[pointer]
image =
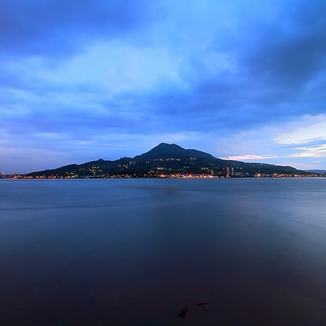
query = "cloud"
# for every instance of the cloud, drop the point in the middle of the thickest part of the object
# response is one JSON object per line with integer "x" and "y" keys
{"x": 294, "y": 46}
{"x": 314, "y": 130}
{"x": 230, "y": 78}
{"x": 224, "y": 73}
{"x": 250, "y": 157}
{"x": 252, "y": 72}
{"x": 319, "y": 151}
{"x": 56, "y": 28}
{"x": 307, "y": 131}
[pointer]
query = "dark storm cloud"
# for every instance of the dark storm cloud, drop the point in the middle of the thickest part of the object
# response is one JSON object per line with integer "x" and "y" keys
{"x": 269, "y": 61}
{"x": 273, "y": 70}
{"x": 293, "y": 49}
{"x": 58, "y": 27}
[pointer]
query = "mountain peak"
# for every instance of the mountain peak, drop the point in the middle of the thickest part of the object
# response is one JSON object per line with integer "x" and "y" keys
{"x": 166, "y": 146}
{"x": 164, "y": 150}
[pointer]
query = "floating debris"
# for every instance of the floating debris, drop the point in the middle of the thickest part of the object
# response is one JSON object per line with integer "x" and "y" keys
{"x": 201, "y": 303}
{"x": 183, "y": 311}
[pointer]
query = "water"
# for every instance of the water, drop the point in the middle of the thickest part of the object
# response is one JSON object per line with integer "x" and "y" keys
{"x": 134, "y": 252}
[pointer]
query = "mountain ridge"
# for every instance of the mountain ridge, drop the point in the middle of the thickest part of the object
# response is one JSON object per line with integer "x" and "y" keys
{"x": 166, "y": 160}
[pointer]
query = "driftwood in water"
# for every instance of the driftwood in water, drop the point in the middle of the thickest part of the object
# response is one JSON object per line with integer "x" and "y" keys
{"x": 183, "y": 311}
{"x": 201, "y": 303}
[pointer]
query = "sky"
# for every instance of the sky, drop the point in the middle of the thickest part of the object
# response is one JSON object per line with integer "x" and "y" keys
{"x": 91, "y": 79}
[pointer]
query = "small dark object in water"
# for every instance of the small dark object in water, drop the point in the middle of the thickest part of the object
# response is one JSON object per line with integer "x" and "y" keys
{"x": 201, "y": 303}
{"x": 183, "y": 311}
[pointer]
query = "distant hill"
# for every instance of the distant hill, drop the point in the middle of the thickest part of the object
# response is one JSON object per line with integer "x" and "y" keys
{"x": 317, "y": 171}
{"x": 166, "y": 159}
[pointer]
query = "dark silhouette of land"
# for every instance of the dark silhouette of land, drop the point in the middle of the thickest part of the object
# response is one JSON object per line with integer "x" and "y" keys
{"x": 168, "y": 160}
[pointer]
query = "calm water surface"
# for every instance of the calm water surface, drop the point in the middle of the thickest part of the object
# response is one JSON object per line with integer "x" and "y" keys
{"x": 134, "y": 252}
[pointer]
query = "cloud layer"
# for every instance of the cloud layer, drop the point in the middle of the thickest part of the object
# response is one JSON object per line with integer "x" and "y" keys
{"x": 90, "y": 79}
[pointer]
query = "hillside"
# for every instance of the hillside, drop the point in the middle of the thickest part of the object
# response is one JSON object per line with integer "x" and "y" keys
{"x": 166, "y": 160}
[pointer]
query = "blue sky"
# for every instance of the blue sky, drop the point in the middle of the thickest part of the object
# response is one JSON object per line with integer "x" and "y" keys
{"x": 83, "y": 80}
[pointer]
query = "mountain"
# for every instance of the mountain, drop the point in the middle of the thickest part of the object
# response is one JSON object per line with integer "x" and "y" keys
{"x": 164, "y": 150}
{"x": 317, "y": 171}
{"x": 165, "y": 159}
